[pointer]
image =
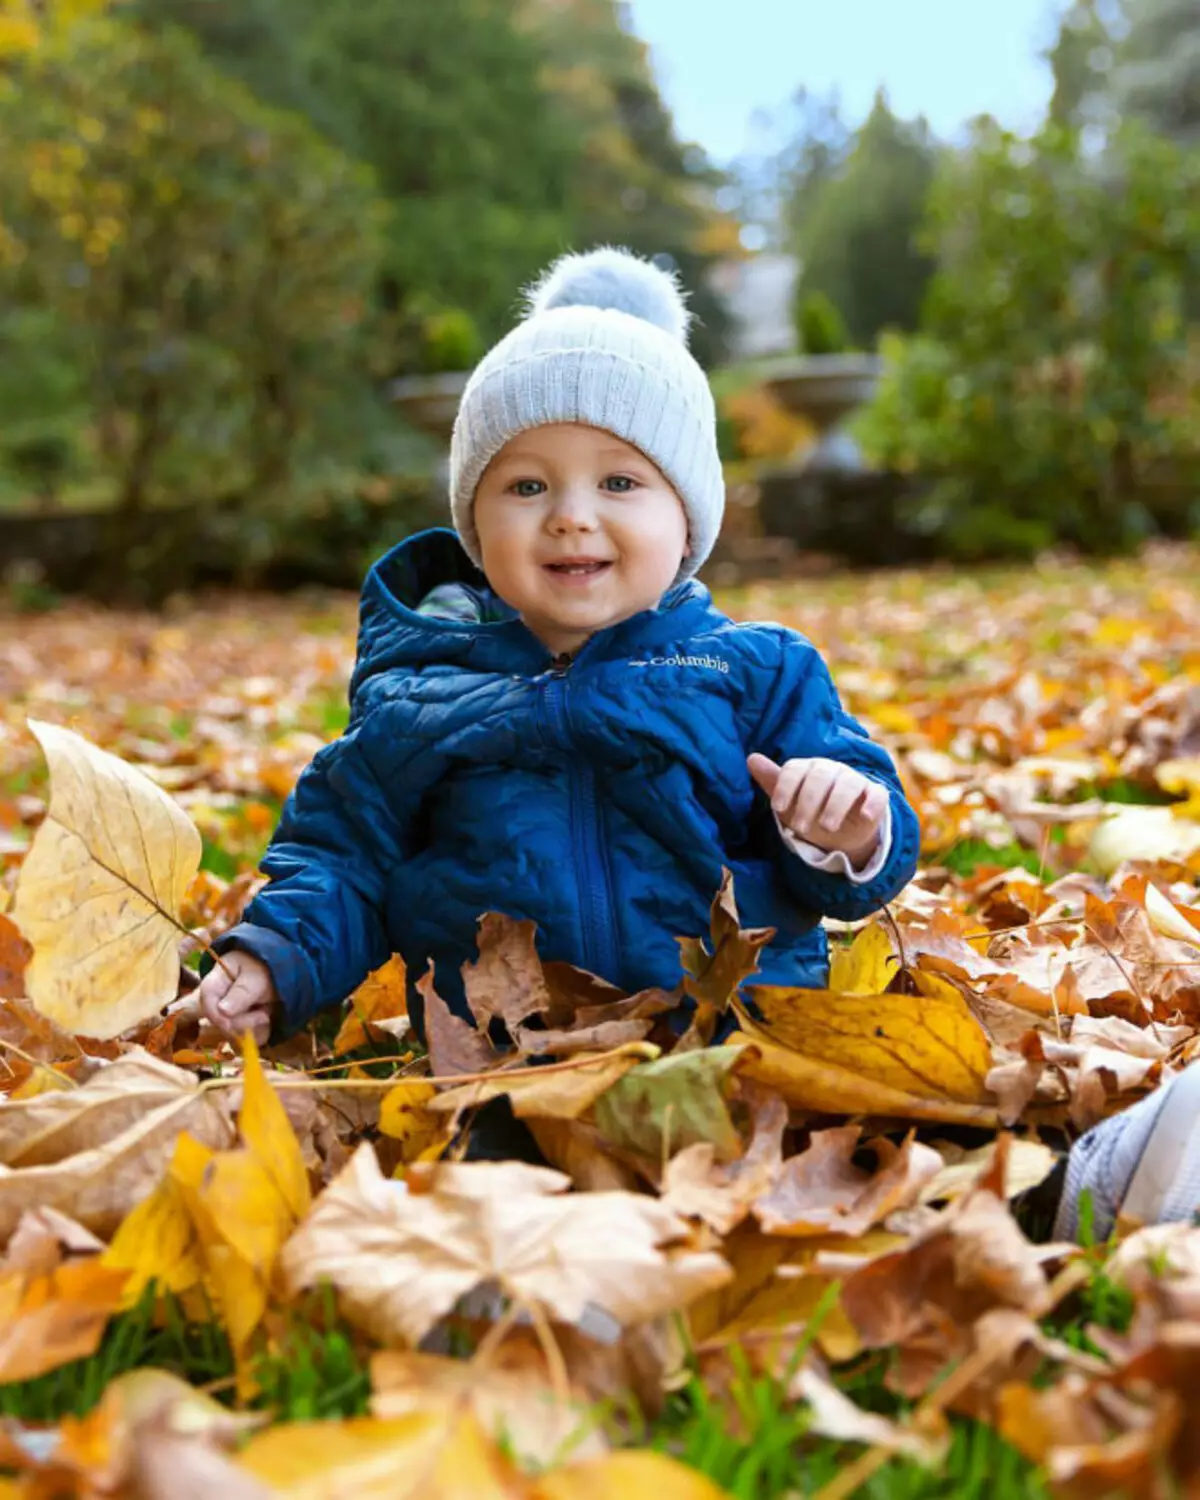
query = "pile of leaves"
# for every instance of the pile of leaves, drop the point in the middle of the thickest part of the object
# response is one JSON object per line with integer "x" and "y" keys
{"x": 776, "y": 1263}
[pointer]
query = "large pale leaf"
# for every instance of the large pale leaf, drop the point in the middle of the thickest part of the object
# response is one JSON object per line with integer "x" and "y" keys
{"x": 101, "y": 888}
{"x": 97, "y": 1150}
{"x": 401, "y": 1259}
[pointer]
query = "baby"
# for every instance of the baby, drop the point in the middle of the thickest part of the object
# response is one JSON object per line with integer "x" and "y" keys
{"x": 550, "y": 718}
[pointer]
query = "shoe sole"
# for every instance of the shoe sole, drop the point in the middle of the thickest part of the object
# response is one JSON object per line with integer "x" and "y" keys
{"x": 1172, "y": 1154}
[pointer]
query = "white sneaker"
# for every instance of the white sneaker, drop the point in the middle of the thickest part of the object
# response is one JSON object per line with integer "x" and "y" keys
{"x": 1143, "y": 1163}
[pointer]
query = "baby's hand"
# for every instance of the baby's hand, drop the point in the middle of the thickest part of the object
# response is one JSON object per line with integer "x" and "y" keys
{"x": 825, "y": 803}
{"x": 238, "y": 995}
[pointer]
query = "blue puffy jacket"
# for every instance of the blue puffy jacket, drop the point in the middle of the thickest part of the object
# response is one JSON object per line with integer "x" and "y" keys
{"x": 599, "y": 798}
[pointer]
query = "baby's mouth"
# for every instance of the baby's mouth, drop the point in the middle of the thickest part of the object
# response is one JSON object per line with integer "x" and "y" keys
{"x": 578, "y": 569}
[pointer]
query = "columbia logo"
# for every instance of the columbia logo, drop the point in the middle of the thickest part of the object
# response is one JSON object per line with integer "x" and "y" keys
{"x": 712, "y": 663}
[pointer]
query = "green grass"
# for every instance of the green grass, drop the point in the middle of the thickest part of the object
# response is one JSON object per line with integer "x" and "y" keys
{"x": 317, "y": 1371}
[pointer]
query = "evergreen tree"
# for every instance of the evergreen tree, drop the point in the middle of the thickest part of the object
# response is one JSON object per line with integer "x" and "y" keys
{"x": 858, "y": 237}
{"x": 1157, "y": 78}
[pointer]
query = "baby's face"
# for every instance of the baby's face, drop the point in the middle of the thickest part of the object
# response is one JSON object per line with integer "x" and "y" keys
{"x": 578, "y": 531}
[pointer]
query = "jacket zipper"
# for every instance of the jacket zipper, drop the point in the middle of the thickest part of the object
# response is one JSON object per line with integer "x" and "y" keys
{"x": 587, "y": 840}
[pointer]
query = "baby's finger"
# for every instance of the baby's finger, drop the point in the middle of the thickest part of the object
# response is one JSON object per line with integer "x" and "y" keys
{"x": 243, "y": 994}
{"x": 791, "y": 779}
{"x": 875, "y": 804}
{"x": 843, "y": 796}
{"x": 817, "y": 786}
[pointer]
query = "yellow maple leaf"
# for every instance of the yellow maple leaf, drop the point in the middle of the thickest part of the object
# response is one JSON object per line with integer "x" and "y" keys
{"x": 866, "y": 966}
{"x": 100, "y": 891}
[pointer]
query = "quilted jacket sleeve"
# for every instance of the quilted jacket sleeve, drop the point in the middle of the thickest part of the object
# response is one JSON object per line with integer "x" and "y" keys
{"x": 804, "y": 717}
{"x": 318, "y": 925}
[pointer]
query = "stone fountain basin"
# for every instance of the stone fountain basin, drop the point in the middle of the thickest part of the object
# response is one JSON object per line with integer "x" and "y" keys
{"x": 430, "y": 402}
{"x": 824, "y": 388}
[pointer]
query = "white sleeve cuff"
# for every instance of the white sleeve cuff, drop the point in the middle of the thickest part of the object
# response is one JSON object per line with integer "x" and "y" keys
{"x": 834, "y": 861}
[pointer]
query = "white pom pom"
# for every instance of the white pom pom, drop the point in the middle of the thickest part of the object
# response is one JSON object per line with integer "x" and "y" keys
{"x": 616, "y": 279}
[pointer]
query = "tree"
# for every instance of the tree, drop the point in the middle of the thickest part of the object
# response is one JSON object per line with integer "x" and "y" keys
{"x": 857, "y": 235}
{"x": 1081, "y": 61}
{"x": 1053, "y": 393}
{"x": 633, "y": 182}
{"x": 1157, "y": 79}
{"x": 209, "y": 260}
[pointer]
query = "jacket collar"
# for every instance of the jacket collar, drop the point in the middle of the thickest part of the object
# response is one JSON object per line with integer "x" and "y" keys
{"x": 391, "y": 633}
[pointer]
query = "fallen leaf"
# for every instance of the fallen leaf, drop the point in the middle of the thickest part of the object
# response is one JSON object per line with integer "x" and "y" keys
{"x": 866, "y": 966}
{"x": 405, "y": 1117}
{"x": 553, "y": 1093}
{"x": 821, "y": 1191}
{"x": 713, "y": 975}
{"x": 834, "y": 1415}
{"x": 379, "y": 1006}
{"x": 399, "y": 1260}
{"x": 632, "y": 1475}
{"x": 506, "y": 982}
{"x": 15, "y": 954}
{"x": 697, "y": 1185}
{"x": 48, "y": 1320}
{"x": 825, "y": 1088}
{"x": 455, "y": 1046}
{"x": 98, "y": 1150}
{"x": 100, "y": 891}
{"x": 673, "y": 1102}
{"x": 930, "y": 1047}
{"x": 426, "y": 1454}
{"x": 510, "y": 1397}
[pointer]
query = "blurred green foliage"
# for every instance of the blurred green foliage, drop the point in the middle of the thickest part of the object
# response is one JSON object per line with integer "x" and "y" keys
{"x": 1053, "y": 392}
{"x": 225, "y": 229}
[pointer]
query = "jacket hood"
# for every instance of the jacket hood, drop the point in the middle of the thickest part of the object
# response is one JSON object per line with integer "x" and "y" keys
{"x": 391, "y": 633}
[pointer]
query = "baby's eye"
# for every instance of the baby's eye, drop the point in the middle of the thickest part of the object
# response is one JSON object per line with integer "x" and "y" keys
{"x": 620, "y": 484}
{"x": 527, "y": 488}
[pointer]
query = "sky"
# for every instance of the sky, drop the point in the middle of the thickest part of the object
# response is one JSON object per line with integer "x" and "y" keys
{"x": 718, "y": 61}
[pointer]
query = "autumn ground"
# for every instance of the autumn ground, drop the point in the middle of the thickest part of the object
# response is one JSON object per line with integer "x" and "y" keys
{"x": 1047, "y": 723}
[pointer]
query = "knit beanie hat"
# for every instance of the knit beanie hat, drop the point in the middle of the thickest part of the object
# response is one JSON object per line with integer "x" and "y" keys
{"x": 603, "y": 343}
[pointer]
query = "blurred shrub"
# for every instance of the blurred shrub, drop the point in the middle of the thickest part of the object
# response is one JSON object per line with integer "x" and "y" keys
{"x": 820, "y": 328}
{"x": 1052, "y": 395}
{"x": 208, "y": 262}
{"x": 753, "y": 427}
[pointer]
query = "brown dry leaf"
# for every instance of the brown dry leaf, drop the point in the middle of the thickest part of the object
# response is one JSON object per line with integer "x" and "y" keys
{"x": 1089, "y": 1444}
{"x": 100, "y": 891}
{"x": 926, "y": 1297}
{"x": 429, "y": 1455}
{"x": 49, "y": 1319}
{"x": 553, "y": 1093}
{"x": 401, "y": 1259}
{"x": 15, "y": 954}
{"x": 777, "y": 1285}
{"x": 151, "y": 1437}
{"x": 43, "y": 1239}
{"x": 506, "y": 983}
{"x": 699, "y": 1186}
{"x": 714, "y": 974}
{"x": 510, "y": 1397}
{"x": 378, "y": 1006}
{"x": 455, "y": 1046}
{"x": 98, "y": 1150}
{"x": 821, "y": 1191}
